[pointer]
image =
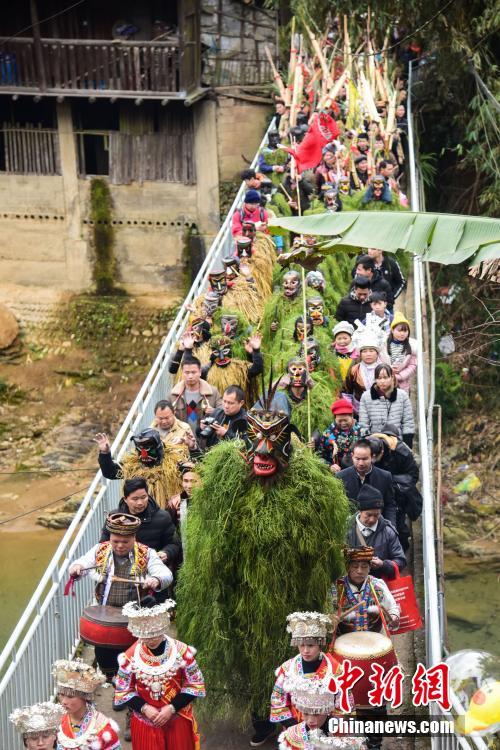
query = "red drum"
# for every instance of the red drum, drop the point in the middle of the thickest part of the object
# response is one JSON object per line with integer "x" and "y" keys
{"x": 101, "y": 625}
{"x": 363, "y": 649}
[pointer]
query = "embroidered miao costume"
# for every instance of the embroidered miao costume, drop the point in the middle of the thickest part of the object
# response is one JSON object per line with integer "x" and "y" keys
{"x": 372, "y": 596}
{"x": 303, "y": 626}
{"x": 95, "y": 731}
{"x": 159, "y": 680}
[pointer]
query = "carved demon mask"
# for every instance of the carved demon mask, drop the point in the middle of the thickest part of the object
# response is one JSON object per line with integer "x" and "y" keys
{"x": 199, "y": 330}
{"x": 344, "y": 186}
{"x": 378, "y": 184}
{"x": 273, "y": 139}
{"x": 229, "y": 325}
{"x": 291, "y": 285}
{"x": 298, "y": 333}
{"x": 232, "y": 266}
{"x": 297, "y": 371}
{"x": 269, "y": 433}
{"x": 244, "y": 246}
{"x": 222, "y": 351}
{"x": 331, "y": 201}
{"x": 149, "y": 447}
{"x": 210, "y": 303}
{"x": 217, "y": 281}
{"x": 316, "y": 310}
{"x": 313, "y": 353}
{"x": 316, "y": 280}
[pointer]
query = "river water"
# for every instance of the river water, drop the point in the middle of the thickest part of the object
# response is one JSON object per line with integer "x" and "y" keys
{"x": 25, "y": 548}
{"x": 472, "y": 604}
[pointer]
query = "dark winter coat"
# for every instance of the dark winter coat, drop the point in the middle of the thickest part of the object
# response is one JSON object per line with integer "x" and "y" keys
{"x": 401, "y": 463}
{"x": 350, "y": 309}
{"x": 386, "y": 544}
{"x": 377, "y": 478}
{"x": 157, "y": 530}
{"x": 390, "y": 270}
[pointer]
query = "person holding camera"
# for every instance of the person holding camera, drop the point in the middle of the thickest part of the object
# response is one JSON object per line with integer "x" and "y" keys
{"x": 225, "y": 423}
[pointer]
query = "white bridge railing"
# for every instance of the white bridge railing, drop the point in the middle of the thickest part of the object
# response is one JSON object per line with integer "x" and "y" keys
{"x": 49, "y": 627}
{"x": 435, "y": 615}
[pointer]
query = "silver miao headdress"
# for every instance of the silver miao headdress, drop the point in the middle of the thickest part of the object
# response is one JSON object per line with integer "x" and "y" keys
{"x": 39, "y": 719}
{"x": 305, "y": 625}
{"x": 312, "y": 696}
{"x": 77, "y": 678}
{"x": 371, "y": 336}
{"x": 148, "y": 622}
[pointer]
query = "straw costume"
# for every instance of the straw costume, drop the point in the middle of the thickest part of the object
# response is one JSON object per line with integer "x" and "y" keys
{"x": 254, "y": 554}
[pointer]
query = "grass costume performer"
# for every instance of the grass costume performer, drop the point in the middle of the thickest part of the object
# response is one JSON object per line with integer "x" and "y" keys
{"x": 264, "y": 536}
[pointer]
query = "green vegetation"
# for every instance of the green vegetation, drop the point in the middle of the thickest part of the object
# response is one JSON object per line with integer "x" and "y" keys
{"x": 104, "y": 271}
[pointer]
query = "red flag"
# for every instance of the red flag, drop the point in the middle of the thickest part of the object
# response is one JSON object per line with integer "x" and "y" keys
{"x": 322, "y": 130}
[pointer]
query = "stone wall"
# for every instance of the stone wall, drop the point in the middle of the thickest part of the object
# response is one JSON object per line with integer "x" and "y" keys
{"x": 240, "y": 127}
{"x": 45, "y": 230}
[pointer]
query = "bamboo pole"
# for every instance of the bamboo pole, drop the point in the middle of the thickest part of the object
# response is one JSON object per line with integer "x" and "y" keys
{"x": 322, "y": 61}
{"x": 330, "y": 98}
{"x": 304, "y": 313}
{"x": 276, "y": 75}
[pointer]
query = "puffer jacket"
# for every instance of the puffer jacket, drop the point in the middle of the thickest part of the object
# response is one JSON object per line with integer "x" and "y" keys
{"x": 375, "y": 411}
{"x": 405, "y": 370}
{"x": 385, "y": 543}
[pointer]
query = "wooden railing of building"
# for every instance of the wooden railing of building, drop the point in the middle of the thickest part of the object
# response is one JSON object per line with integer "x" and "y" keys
{"x": 93, "y": 67}
{"x": 29, "y": 150}
{"x": 236, "y": 71}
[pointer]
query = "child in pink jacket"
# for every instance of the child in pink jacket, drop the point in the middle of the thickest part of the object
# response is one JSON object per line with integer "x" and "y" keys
{"x": 402, "y": 351}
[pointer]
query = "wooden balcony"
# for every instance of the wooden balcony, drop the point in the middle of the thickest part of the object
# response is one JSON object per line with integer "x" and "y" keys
{"x": 94, "y": 68}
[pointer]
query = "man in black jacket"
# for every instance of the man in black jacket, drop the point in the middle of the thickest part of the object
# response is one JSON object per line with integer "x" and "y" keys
{"x": 393, "y": 455}
{"x": 368, "y": 528}
{"x": 365, "y": 266}
{"x": 363, "y": 472}
{"x": 157, "y": 529}
{"x": 388, "y": 268}
{"x": 356, "y": 304}
{"x": 229, "y": 422}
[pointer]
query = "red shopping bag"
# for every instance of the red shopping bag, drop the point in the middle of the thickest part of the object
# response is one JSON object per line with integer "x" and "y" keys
{"x": 401, "y": 587}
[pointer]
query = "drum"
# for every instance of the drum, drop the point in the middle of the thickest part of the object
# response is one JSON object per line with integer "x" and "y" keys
{"x": 364, "y": 648}
{"x": 101, "y": 625}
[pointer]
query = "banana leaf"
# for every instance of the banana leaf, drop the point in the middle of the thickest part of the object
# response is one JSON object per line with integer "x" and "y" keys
{"x": 440, "y": 238}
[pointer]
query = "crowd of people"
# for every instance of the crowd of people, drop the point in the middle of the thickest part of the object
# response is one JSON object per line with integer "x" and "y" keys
{"x": 336, "y": 351}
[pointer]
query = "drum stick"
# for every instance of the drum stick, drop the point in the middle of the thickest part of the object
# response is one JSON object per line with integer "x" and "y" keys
{"x": 132, "y": 581}
{"x": 348, "y": 611}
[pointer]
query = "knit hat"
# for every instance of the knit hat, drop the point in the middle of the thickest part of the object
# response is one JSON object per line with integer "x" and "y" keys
{"x": 343, "y": 327}
{"x": 360, "y": 158}
{"x": 390, "y": 429}
{"x": 369, "y": 498}
{"x": 252, "y": 196}
{"x": 341, "y": 406}
{"x": 398, "y": 319}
